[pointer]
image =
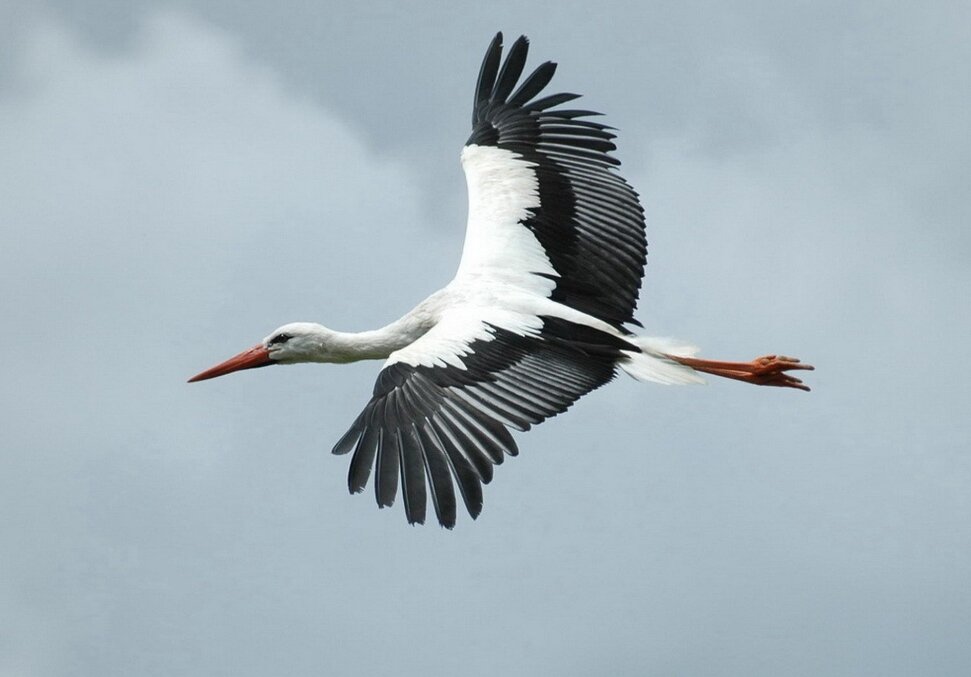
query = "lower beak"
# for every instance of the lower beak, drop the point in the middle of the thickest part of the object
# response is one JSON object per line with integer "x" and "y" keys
{"x": 257, "y": 356}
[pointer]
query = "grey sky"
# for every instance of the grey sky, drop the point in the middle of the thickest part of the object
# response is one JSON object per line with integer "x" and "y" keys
{"x": 177, "y": 179}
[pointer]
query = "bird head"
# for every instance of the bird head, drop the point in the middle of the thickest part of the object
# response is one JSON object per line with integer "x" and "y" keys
{"x": 291, "y": 343}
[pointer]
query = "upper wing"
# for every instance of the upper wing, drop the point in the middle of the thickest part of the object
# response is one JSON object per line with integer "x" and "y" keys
{"x": 545, "y": 206}
{"x": 441, "y": 406}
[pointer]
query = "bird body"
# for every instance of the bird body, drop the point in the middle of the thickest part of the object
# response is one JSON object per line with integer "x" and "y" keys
{"x": 539, "y": 313}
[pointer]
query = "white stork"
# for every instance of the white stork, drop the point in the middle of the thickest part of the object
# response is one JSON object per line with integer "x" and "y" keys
{"x": 536, "y": 316}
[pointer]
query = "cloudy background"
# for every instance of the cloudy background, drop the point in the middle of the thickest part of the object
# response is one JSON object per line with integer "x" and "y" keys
{"x": 179, "y": 178}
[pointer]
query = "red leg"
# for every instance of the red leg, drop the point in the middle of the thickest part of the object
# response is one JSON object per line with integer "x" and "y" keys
{"x": 768, "y": 370}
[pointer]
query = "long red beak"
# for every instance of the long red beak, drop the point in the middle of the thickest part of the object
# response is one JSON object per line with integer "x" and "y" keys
{"x": 257, "y": 356}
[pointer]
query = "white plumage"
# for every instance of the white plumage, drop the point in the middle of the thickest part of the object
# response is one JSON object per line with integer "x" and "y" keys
{"x": 502, "y": 190}
{"x": 539, "y": 312}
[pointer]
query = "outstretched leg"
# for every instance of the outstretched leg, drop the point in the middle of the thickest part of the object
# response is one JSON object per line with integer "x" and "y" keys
{"x": 768, "y": 370}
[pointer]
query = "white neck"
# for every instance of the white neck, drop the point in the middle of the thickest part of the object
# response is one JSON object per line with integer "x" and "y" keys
{"x": 375, "y": 344}
{"x": 311, "y": 342}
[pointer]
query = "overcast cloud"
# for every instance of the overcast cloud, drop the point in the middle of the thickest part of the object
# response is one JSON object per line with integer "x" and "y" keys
{"x": 177, "y": 179}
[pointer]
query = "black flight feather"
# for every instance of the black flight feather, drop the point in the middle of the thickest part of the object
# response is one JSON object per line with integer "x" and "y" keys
{"x": 511, "y": 69}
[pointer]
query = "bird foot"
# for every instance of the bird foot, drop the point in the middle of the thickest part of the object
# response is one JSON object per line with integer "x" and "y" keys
{"x": 768, "y": 370}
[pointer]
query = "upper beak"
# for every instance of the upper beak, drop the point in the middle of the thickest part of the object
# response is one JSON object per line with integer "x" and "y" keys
{"x": 257, "y": 356}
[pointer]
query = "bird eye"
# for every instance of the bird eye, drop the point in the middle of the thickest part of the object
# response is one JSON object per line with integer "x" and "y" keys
{"x": 280, "y": 338}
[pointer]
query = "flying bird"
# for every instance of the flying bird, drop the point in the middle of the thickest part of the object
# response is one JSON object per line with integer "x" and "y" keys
{"x": 539, "y": 313}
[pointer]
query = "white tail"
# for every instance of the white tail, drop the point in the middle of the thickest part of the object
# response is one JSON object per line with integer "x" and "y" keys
{"x": 652, "y": 363}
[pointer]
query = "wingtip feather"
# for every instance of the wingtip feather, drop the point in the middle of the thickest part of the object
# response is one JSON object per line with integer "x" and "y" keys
{"x": 511, "y": 69}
